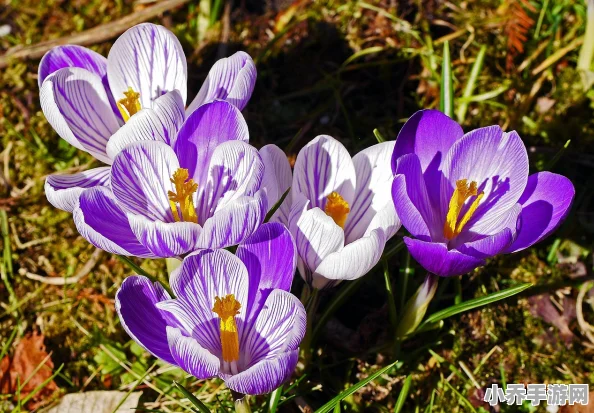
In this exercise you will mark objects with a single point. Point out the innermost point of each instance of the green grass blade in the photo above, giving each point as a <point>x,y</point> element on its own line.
<point>277,205</point>
<point>471,84</point>
<point>193,399</point>
<point>475,303</point>
<point>332,403</point>
<point>274,399</point>
<point>403,394</point>
<point>446,100</point>
<point>378,136</point>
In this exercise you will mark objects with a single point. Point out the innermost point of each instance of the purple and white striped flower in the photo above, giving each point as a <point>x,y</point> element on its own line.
<point>207,191</point>
<point>341,213</point>
<point>93,102</point>
<point>232,316</point>
<point>468,197</point>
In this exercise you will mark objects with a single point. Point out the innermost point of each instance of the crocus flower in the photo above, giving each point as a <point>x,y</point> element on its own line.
<point>341,214</point>
<point>207,191</point>
<point>92,101</point>
<point>467,197</point>
<point>232,316</point>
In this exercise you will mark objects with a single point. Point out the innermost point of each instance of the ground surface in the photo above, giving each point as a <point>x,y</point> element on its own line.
<point>343,69</point>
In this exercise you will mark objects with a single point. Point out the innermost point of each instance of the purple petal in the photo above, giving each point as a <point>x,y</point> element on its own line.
<point>62,191</point>
<point>412,202</point>
<point>489,246</point>
<point>141,179</point>
<point>545,204</point>
<point>231,79</point>
<point>353,261</point>
<point>75,103</point>
<point>165,239</point>
<point>142,320</point>
<point>278,328</point>
<point>149,59</point>
<point>324,166</point>
<point>429,134</point>
<point>373,191</point>
<point>71,55</point>
<point>204,130</point>
<point>270,257</point>
<point>436,258</point>
<point>234,223</point>
<point>277,175</point>
<point>498,162</point>
<point>235,170</point>
<point>265,376</point>
<point>190,356</point>
<point>158,124</point>
<point>201,277</point>
<point>101,221</point>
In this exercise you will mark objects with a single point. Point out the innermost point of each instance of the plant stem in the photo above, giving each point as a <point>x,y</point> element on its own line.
<point>311,308</point>
<point>242,404</point>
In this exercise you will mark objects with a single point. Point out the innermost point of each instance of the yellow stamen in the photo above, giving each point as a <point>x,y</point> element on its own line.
<point>184,189</point>
<point>462,192</point>
<point>337,209</point>
<point>129,105</point>
<point>227,308</point>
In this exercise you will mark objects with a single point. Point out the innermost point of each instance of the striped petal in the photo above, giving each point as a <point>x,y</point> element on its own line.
<point>62,191</point>
<point>234,223</point>
<point>165,239</point>
<point>101,221</point>
<point>231,79</point>
<point>141,179</point>
<point>235,170</point>
<point>150,60</point>
<point>373,192</point>
<point>279,327</point>
<point>203,131</point>
<point>135,304</point>
<point>160,123</point>
<point>190,356</point>
<point>77,106</point>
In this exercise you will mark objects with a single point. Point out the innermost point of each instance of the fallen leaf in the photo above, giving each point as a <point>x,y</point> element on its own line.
<point>578,408</point>
<point>30,365</point>
<point>97,402</point>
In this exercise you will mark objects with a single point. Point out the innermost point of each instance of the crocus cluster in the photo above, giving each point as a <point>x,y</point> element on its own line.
<point>185,183</point>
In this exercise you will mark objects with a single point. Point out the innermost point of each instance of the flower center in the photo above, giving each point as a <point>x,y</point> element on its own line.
<point>227,308</point>
<point>181,199</point>
<point>337,209</point>
<point>129,105</point>
<point>463,191</point>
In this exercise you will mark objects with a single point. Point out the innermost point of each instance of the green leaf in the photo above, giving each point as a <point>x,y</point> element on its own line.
<point>403,394</point>
<point>475,303</point>
<point>199,405</point>
<point>332,403</point>
<point>446,101</point>
<point>277,205</point>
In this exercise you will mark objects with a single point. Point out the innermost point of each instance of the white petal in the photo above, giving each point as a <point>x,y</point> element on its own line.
<point>149,59</point>
<point>322,167</point>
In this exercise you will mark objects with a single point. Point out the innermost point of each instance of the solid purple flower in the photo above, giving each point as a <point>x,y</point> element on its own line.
<point>92,101</point>
<point>208,191</point>
<point>232,316</point>
<point>340,210</point>
<point>468,197</point>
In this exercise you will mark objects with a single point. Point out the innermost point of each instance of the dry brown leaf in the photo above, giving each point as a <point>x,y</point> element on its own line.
<point>21,368</point>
